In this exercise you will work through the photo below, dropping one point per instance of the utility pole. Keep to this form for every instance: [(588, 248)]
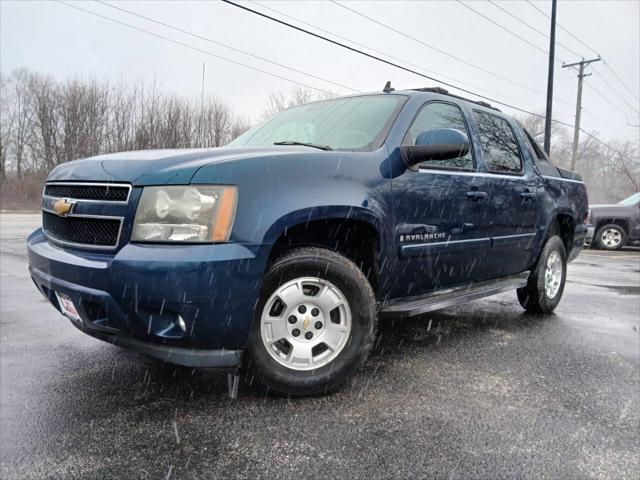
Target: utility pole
[(552, 54), (202, 109), (576, 132)]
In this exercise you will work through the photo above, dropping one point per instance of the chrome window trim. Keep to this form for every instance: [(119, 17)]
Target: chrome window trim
[(562, 179), (471, 174), (90, 184), (493, 175), (86, 246)]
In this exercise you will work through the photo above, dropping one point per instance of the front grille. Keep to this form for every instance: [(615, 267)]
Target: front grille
[(96, 232), (103, 192)]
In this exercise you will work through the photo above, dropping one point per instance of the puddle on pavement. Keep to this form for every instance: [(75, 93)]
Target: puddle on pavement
[(622, 289)]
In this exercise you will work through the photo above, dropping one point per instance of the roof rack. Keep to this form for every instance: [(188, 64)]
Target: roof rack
[(442, 91)]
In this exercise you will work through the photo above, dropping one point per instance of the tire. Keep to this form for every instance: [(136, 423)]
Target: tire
[(610, 237), (316, 279), (544, 288)]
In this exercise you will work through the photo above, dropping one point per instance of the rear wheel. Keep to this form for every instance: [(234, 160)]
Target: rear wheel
[(315, 323), (546, 283), (610, 237)]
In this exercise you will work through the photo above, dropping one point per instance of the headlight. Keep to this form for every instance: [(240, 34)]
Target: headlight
[(192, 213)]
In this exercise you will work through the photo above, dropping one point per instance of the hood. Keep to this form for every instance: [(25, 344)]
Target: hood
[(159, 167)]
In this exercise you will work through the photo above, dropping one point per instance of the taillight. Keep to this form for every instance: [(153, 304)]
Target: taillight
[(587, 218)]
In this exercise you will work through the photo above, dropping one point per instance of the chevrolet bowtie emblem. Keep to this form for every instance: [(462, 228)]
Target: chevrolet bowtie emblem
[(63, 206), (305, 323)]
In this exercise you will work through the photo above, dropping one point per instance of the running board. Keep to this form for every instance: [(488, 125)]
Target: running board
[(435, 300)]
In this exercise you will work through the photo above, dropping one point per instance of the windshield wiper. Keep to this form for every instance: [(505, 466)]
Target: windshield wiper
[(293, 142)]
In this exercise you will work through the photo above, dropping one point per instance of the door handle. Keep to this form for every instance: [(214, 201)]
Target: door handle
[(528, 196), (475, 195)]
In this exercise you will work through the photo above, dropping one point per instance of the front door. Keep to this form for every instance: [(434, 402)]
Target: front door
[(440, 223)]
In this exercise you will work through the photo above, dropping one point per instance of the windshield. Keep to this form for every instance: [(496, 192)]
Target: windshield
[(353, 123), (631, 200)]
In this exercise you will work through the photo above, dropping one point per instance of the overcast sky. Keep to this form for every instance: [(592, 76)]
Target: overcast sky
[(52, 38)]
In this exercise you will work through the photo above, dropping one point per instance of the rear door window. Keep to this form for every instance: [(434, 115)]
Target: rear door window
[(499, 143)]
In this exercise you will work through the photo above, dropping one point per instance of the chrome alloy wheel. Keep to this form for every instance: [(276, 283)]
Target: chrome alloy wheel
[(553, 275), (611, 237), (305, 323)]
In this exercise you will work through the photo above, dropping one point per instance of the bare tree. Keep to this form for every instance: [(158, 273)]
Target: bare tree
[(238, 127), (219, 123), (148, 123), (21, 119), (6, 125), (120, 133), (298, 95), (44, 122), (83, 112), (276, 102), (45, 148), (625, 161)]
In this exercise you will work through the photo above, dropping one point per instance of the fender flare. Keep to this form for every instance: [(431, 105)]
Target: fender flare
[(330, 212)]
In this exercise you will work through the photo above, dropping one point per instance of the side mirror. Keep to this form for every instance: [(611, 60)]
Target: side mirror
[(435, 145)]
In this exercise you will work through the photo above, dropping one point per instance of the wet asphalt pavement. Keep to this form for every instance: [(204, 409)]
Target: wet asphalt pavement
[(477, 391)]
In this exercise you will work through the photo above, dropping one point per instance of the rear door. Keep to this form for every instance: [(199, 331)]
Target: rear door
[(512, 195)]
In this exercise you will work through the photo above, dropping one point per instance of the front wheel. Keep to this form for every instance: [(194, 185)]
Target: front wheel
[(546, 283), (315, 323)]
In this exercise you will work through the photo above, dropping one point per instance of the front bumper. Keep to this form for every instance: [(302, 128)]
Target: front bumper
[(135, 297)]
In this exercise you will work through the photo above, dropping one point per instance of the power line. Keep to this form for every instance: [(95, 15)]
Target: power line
[(613, 72), (371, 48), (503, 27), (258, 69), (124, 24), (607, 99), (316, 35), (597, 92), (596, 139), (187, 32), (430, 46), (404, 61), (595, 118), (439, 50), (369, 55), (593, 50), (190, 33), (530, 26), (615, 90), (562, 28), (348, 47), (191, 47), (506, 29), (588, 134), (427, 45)]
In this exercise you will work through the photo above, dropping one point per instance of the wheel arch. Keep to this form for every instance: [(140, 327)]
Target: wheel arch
[(622, 222), (354, 232), (563, 224)]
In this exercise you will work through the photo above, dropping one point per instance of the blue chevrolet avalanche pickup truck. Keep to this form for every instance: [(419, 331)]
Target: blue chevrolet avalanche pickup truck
[(278, 252)]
